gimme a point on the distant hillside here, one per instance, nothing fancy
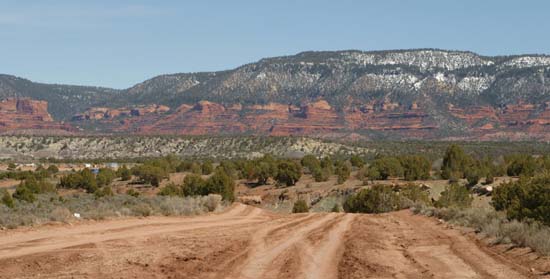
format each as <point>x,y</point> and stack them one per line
<point>63,100</point>
<point>344,76</point>
<point>424,93</point>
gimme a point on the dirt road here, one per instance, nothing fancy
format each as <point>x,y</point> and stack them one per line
<point>246,242</point>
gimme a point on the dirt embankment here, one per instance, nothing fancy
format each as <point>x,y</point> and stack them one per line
<point>246,242</point>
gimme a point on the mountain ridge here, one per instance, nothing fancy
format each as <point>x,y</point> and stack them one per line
<point>447,88</point>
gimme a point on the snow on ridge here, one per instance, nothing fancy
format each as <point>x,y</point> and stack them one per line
<point>475,84</point>
<point>528,61</point>
<point>424,59</point>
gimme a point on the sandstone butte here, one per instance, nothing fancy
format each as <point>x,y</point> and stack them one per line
<point>317,118</point>
<point>26,115</point>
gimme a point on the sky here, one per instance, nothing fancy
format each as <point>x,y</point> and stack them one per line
<point>120,43</point>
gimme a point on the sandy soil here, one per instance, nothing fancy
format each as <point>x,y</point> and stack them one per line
<point>247,242</point>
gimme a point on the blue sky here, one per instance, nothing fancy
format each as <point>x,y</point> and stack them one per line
<point>120,43</point>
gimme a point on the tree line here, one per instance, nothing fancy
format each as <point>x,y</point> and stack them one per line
<point>525,199</point>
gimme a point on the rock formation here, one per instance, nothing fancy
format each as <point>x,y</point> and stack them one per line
<point>99,113</point>
<point>398,94</point>
<point>24,115</point>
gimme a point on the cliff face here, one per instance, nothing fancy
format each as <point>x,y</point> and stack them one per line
<point>388,94</point>
<point>402,94</point>
<point>203,118</point>
<point>63,100</point>
<point>25,114</point>
<point>104,113</point>
<point>319,119</point>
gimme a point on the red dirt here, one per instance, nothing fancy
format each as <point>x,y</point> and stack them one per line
<point>247,242</point>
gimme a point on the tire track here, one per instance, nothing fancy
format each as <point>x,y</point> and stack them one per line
<point>247,242</point>
<point>321,261</point>
<point>35,242</point>
<point>409,246</point>
<point>273,247</point>
<point>264,253</point>
<point>448,251</point>
<point>271,228</point>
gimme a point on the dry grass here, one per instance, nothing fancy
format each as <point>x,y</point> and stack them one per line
<point>51,208</point>
<point>494,225</point>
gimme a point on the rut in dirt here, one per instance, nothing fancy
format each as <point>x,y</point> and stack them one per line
<point>247,242</point>
<point>312,241</point>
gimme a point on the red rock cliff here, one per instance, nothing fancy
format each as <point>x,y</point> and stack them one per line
<point>319,118</point>
<point>27,114</point>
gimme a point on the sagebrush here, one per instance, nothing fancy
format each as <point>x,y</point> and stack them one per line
<point>50,207</point>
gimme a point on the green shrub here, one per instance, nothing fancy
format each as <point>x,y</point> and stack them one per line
<point>105,191</point>
<point>221,183</point>
<point>88,181</point>
<point>288,172</point>
<point>151,174</point>
<point>105,177</point>
<point>7,199</point>
<point>321,174</point>
<point>38,186</point>
<point>171,190</point>
<point>84,179</point>
<point>70,181</point>
<point>310,162</point>
<point>473,175</point>
<point>385,167</point>
<point>527,198</point>
<point>124,173</point>
<point>246,170</point>
<point>327,165</point>
<point>207,168</point>
<point>343,172</point>
<point>377,199</point>
<point>300,206</point>
<point>455,162</point>
<point>357,161</point>
<point>363,173</point>
<point>194,185</point>
<point>415,167</point>
<point>29,187</point>
<point>53,169</point>
<point>455,195</point>
<point>415,194</point>
<point>229,168</point>
<point>23,193</point>
<point>195,168</point>
<point>373,173</point>
<point>521,164</point>
<point>168,164</point>
<point>263,170</point>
